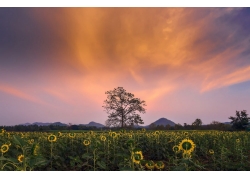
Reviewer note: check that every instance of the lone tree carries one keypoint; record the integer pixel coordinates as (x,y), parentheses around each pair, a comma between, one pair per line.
(197,122)
(241,120)
(122,107)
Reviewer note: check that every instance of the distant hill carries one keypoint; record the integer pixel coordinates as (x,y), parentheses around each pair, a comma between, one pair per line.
(26,124)
(92,123)
(164,122)
(59,124)
(161,121)
(44,124)
(41,124)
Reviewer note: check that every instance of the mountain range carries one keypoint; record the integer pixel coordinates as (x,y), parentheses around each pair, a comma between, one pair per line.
(161,121)
(92,123)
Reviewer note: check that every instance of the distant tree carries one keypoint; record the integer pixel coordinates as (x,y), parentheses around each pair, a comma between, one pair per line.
(187,126)
(69,126)
(160,127)
(197,122)
(216,125)
(167,127)
(122,107)
(75,127)
(152,126)
(178,126)
(241,120)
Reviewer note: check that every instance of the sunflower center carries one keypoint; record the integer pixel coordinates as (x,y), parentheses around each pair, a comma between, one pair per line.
(137,157)
(186,145)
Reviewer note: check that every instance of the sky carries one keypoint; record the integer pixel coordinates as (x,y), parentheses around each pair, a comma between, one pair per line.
(57,63)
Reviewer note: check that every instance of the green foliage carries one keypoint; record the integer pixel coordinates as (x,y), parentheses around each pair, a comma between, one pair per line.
(126,150)
(240,121)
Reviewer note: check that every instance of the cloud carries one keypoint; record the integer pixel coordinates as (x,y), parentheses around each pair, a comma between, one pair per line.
(20,94)
(146,44)
(69,57)
(238,76)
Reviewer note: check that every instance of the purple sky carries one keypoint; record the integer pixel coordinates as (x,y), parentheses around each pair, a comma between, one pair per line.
(186,63)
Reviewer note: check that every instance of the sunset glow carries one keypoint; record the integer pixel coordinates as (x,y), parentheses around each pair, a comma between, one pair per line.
(186,63)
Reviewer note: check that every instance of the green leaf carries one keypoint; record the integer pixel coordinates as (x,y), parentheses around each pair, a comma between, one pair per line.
(41,162)
(86,156)
(101,164)
(3,159)
(18,141)
(8,159)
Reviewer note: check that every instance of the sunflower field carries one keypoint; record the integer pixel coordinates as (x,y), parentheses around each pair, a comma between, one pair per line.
(124,150)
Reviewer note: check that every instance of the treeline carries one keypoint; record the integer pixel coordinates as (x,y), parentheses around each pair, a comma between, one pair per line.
(238,122)
(33,128)
(217,126)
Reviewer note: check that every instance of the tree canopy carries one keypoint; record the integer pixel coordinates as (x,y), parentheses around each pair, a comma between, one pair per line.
(240,121)
(197,122)
(122,108)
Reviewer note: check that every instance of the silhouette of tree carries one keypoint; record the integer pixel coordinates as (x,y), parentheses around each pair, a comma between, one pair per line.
(167,127)
(178,126)
(197,122)
(241,120)
(152,126)
(122,107)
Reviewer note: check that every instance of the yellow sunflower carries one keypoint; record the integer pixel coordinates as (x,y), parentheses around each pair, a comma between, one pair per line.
(72,135)
(35,149)
(211,151)
(31,141)
(137,157)
(187,145)
(150,165)
(86,142)
(113,135)
(3,131)
(20,158)
(4,148)
(52,138)
(159,165)
(103,138)
(59,134)
(237,140)
(156,133)
(110,133)
(176,148)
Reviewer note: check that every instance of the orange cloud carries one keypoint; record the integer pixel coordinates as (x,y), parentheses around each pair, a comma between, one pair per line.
(149,47)
(20,94)
(238,76)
